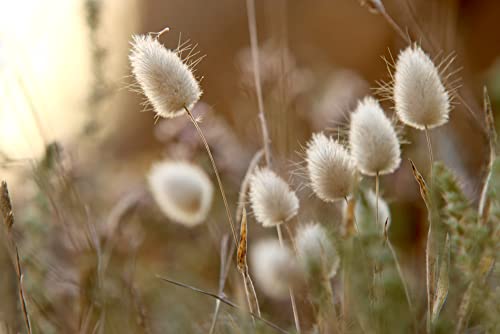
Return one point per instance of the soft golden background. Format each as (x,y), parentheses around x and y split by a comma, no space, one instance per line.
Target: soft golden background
(64,77)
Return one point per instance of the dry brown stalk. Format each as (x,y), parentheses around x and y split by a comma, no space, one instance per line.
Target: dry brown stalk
(8,218)
(430,258)
(253,303)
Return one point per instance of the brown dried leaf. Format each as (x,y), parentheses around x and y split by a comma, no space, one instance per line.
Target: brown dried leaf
(242,246)
(6,206)
(424,191)
(490,121)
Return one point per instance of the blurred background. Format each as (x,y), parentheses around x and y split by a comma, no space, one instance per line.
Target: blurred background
(65,96)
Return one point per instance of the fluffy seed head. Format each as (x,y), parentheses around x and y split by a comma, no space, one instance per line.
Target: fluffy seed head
(315,251)
(272,200)
(373,140)
(365,211)
(420,97)
(182,191)
(167,82)
(274,268)
(331,170)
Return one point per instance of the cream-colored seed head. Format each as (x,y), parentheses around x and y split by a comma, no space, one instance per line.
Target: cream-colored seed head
(167,82)
(420,97)
(182,191)
(315,250)
(331,170)
(272,200)
(373,140)
(274,268)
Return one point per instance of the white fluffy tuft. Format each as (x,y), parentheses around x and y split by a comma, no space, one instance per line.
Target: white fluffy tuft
(373,140)
(167,82)
(420,97)
(274,268)
(331,170)
(315,250)
(272,200)
(182,191)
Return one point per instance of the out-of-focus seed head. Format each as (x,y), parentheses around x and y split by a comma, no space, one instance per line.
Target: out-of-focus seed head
(274,268)
(365,212)
(315,251)
(182,191)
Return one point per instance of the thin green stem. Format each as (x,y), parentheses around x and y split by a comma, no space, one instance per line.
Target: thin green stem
(377,194)
(429,148)
(403,281)
(290,289)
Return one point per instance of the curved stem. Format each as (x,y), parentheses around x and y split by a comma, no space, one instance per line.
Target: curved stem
(221,188)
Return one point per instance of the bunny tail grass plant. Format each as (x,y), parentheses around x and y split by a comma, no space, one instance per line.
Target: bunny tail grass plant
(420,98)
(274,203)
(331,170)
(182,190)
(170,86)
(374,142)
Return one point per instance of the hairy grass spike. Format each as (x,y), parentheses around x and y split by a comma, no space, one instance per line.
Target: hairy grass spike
(331,170)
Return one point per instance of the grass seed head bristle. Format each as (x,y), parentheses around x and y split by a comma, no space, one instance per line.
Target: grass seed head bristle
(373,140)
(165,79)
(182,190)
(315,251)
(420,97)
(331,170)
(274,268)
(272,200)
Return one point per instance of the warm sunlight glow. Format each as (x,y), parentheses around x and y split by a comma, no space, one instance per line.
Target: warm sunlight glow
(41,75)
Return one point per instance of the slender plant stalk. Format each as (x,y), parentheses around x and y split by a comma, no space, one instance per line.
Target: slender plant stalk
(290,289)
(239,212)
(8,219)
(428,250)
(403,280)
(216,171)
(429,148)
(252,28)
(429,275)
(377,194)
(222,281)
